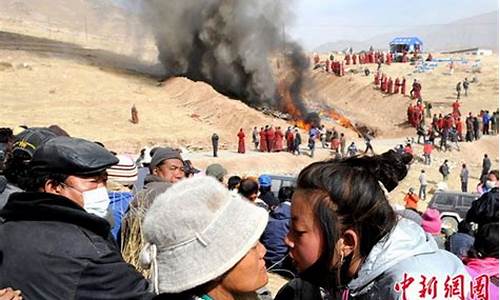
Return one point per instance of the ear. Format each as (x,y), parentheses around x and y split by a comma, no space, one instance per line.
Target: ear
(51,187)
(348,243)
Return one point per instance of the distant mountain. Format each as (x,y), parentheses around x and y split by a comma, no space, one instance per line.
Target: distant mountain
(477,31)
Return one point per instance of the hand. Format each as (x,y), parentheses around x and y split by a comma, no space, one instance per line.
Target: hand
(10,294)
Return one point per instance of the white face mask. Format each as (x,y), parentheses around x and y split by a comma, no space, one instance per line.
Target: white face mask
(490,184)
(96,201)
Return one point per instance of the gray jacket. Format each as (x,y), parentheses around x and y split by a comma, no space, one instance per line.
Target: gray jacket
(407,249)
(5,190)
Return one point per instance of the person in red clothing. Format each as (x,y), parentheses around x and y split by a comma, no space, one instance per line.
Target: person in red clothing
(327,66)
(411,199)
(389,86)
(388,59)
(354,58)
(278,140)
(417,116)
(289,140)
(347,59)
(270,139)
(440,122)
(384,85)
(377,79)
(241,141)
(427,153)
(409,114)
(263,139)
(408,149)
(456,108)
(403,87)
(397,84)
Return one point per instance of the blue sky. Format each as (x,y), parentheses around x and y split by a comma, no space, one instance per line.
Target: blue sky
(321,21)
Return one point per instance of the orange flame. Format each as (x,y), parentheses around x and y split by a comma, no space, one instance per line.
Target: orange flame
(340,119)
(286,102)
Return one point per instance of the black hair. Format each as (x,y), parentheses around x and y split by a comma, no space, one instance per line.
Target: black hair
(248,187)
(485,242)
(36,181)
(285,193)
(346,194)
(465,227)
(494,172)
(233,182)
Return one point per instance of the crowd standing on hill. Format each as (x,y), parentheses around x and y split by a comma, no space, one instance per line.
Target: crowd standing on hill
(67,205)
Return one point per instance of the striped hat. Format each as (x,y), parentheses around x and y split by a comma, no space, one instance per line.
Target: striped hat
(125,172)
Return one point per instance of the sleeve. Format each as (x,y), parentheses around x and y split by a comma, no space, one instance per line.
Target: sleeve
(109,277)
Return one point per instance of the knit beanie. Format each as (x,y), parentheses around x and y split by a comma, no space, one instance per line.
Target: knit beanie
(431,221)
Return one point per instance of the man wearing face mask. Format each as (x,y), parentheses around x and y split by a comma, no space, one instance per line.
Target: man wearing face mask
(485,209)
(55,243)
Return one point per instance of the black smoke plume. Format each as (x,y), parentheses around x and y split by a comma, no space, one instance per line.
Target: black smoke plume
(229,44)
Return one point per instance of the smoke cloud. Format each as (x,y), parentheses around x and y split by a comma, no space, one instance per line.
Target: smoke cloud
(228,44)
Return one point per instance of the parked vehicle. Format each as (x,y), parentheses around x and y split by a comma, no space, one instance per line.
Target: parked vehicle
(278,182)
(453,207)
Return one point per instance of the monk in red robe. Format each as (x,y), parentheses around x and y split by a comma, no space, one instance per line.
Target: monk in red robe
(348,59)
(289,140)
(377,79)
(389,86)
(456,108)
(384,85)
(397,84)
(409,113)
(241,141)
(263,140)
(270,139)
(354,58)
(388,59)
(403,87)
(278,140)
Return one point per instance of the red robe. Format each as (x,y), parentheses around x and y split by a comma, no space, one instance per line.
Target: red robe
(377,79)
(354,59)
(403,87)
(278,141)
(263,141)
(409,114)
(270,140)
(456,108)
(348,59)
(335,143)
(289,141)
(459,128)
(388,59)
(384,85)
(396,86)
(440,123)
(241,142)
(389,86)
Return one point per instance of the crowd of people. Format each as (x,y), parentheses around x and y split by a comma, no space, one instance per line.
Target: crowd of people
(334,233)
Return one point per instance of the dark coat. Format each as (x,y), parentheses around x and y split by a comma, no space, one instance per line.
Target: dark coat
(459,244)
(52,249)
(275,232)
(485,209)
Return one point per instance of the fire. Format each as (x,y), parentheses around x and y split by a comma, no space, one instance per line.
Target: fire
(340,119)
(303,125)
(287,105)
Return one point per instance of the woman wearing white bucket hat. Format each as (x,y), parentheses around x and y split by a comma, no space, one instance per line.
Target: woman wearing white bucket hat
(203,242)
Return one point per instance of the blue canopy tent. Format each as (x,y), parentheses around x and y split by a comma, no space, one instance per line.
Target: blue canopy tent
(408,44)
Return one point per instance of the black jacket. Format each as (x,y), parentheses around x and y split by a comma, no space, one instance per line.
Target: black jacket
(50,248)
(485,209)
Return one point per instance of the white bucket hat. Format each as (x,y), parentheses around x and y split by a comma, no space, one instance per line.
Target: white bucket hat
(196,231)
